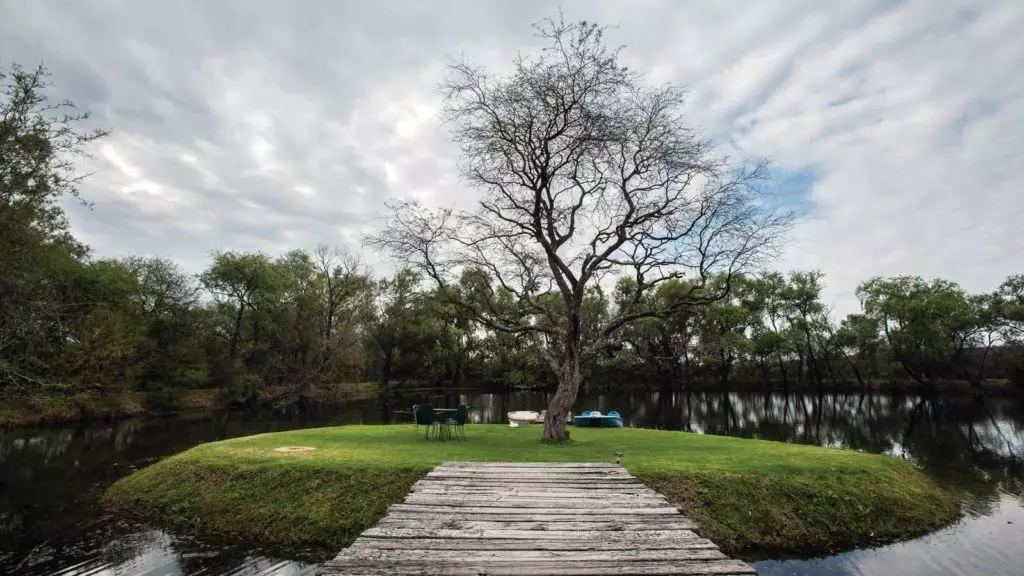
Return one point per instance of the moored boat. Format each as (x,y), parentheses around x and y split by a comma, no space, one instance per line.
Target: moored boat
(595,418)
(524,417)
(528,417)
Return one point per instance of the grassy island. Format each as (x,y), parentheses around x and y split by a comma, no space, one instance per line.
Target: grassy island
(747,495)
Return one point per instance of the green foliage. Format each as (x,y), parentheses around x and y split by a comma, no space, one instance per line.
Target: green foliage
(39,140)
(243,490)
(928,325)
(771,329)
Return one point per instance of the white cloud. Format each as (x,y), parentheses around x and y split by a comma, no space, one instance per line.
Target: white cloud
(264,125)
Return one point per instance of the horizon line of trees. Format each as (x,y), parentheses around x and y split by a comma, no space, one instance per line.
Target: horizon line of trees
(251,323)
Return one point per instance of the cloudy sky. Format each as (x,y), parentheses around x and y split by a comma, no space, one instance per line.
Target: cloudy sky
(897,128)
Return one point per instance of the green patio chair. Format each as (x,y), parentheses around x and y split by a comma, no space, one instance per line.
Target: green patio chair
(458,421)
(425,416)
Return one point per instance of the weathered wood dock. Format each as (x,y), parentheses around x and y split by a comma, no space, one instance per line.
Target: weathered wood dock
(494,518)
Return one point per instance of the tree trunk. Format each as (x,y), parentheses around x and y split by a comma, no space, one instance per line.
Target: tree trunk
(812,363)
(856,372)
(687,369)
(569,378)
(921,377)
(237,332)
(385,375)
(330,306)
(457,374)
(980,375)
(766,369)
(726,368)
(974,378)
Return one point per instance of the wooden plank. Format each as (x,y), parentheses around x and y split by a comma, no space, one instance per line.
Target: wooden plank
(532,479)
(542,485)
(465,464)
(593,535)
(413,518)
(385,554)
(572,502)
(581,484)
(535,493)
(553,568)
(468,544)
(515,509)
(586,472)
(509,502)
(490,488)
(633,487)
(461,524)
(498,486)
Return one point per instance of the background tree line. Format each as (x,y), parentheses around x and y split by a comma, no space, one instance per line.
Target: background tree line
(254,324)
(257,325)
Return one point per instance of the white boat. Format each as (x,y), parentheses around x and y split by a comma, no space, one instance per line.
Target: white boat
(524,417)
(527,417)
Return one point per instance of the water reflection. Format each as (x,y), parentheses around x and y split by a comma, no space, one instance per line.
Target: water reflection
(51,478)
(981,437)
(980,544)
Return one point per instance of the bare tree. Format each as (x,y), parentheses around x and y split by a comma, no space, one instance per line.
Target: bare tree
(341,271)
(586,173)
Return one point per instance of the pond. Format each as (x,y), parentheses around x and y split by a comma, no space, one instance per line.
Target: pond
(52,477)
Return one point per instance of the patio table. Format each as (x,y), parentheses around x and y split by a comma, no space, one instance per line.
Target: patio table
(445,431)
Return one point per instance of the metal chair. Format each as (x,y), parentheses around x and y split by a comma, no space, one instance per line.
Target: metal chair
(458,422)
(425,416)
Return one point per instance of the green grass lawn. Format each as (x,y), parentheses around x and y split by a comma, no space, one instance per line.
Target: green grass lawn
(748,495)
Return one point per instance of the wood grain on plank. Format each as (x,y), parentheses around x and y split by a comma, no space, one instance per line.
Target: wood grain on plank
(506,509)
(411,518)
(512,534)
(463,524)
(579,483)
(385,554)
(535,502)
(552,568)
(500,544)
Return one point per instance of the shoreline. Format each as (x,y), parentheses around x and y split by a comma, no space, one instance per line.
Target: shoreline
(751,497)
(22,411)
(84,407)
(18,411)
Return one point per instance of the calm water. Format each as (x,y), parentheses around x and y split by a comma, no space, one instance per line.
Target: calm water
(52,477)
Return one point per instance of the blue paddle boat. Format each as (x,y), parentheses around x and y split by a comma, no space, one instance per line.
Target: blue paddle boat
(595,418)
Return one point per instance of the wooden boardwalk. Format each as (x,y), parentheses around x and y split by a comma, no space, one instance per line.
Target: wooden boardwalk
(494,518)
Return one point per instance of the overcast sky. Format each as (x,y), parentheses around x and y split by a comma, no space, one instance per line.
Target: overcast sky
(896,128)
